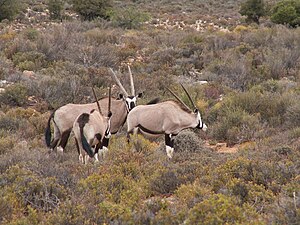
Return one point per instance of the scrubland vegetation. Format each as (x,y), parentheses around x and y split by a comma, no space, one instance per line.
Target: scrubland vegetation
(251,101)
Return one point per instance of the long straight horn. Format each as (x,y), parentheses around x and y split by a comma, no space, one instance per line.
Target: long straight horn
(178,99)
(109,101)
(118,82)
(189,96)
(131,81)
(98,105)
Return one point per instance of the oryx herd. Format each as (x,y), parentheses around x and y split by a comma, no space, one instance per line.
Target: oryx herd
(93,123)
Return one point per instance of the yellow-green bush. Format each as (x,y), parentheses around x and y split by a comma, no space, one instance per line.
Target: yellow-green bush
(221,209)
(14,95)
(6,144)
(22,188)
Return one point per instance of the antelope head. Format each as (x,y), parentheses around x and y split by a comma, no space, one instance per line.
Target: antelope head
(200,124)
(130,100)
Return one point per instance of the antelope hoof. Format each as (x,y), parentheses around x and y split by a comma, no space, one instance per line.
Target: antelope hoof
(60,149)
(81,158)
(170,151)
(204,127)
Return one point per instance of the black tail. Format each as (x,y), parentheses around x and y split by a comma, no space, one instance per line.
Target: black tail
(82,120)
(154,101)
(48,131)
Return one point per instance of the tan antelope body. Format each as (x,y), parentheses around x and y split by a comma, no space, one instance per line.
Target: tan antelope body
(167,118)
(91,129)
(64,117)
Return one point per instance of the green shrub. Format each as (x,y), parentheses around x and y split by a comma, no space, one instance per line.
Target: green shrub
(191,194)
(6,144)
(235,126)
(292,115)
(24,188)
(9,9)
(29,60)
(253,9)
(129,18)
(286,12)
(55,7)
(221,209)
(90,10)
(164,182)
(14,95)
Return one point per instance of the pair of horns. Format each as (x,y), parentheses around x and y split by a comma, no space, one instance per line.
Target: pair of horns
(191,100)
(120,85)
(109,101)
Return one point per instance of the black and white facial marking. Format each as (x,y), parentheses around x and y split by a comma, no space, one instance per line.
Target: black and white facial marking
(130,102)
(200,125)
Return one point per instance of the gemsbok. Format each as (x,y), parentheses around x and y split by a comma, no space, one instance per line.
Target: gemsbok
(64,117)
(92,130)
(168,118)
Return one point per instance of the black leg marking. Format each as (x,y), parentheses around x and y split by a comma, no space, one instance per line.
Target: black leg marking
(169,141)
(54,143)
(77,146)
(64,138)
(105,142)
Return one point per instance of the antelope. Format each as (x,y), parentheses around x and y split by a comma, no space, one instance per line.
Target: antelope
(64,117)
(168,118)
(92,129)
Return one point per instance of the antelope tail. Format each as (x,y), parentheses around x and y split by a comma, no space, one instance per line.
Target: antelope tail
(48,131)
(82,120)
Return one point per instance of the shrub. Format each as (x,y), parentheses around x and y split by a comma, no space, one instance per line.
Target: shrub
(129,18)
(164,182)
(55,7)
(221,209)
(191,194)
(30,190)
(292,115)
(6,144)
(9,9)
(89,10)
(286,12)
(253,9)
(235,126)
(14,95)
(187,141)
(29,60)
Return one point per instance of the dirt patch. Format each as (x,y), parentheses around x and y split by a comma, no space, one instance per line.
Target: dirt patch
(223,148)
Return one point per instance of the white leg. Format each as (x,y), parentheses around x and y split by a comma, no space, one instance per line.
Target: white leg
(60,149)
(81,158)
(86,159)
(96,157)
(104,151)
(169,151)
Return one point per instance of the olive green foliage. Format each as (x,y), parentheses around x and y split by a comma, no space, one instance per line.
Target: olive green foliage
(91,9)
(55,8)
(253,9)
(15,95)
(129,18)
(286,12)
(9,9)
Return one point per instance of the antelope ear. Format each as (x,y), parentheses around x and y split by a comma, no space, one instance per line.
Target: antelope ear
(140,95)
(120,96)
